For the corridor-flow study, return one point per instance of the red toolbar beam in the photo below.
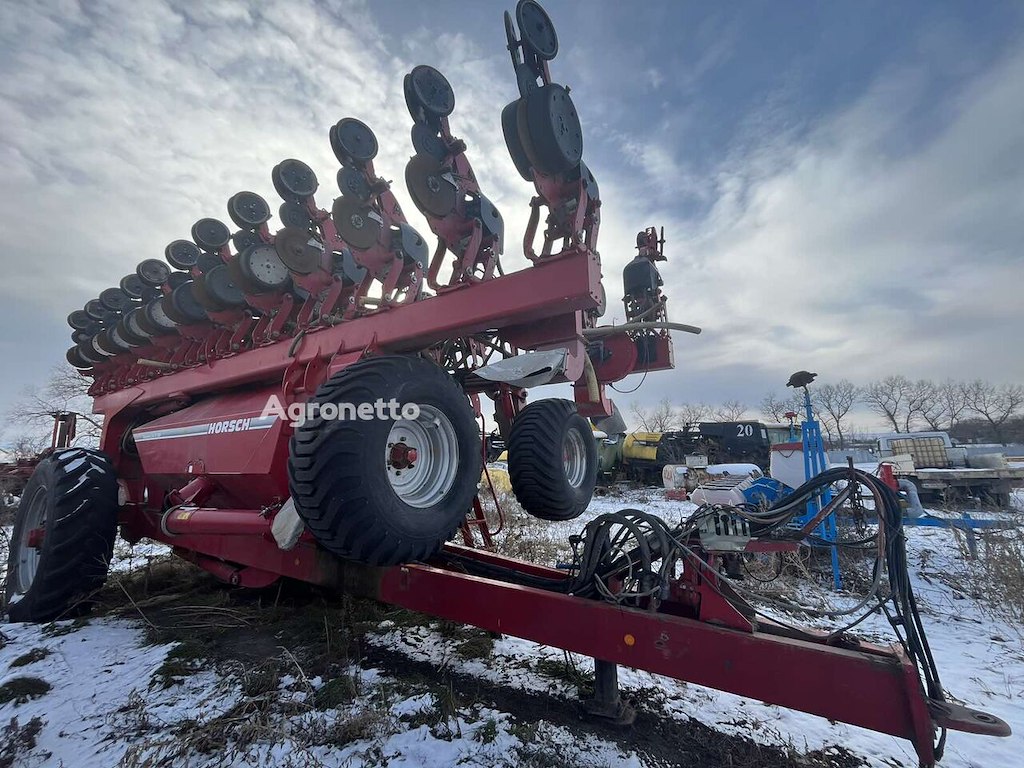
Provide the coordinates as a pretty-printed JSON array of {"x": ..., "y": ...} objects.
[{"x": 548, "y": 289}]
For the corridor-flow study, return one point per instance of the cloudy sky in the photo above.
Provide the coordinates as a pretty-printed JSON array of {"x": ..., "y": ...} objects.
[{"x": 841, "y": 184}]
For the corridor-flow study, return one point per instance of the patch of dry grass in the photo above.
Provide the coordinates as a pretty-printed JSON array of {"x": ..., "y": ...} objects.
[
  {"x": 523, "y": 536},
  {"x": 996, "y": 576},
  {"x": 17, "y": 740}
]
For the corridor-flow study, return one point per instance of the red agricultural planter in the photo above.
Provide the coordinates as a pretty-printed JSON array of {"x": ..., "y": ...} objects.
[{"x": 306, "y": 402}]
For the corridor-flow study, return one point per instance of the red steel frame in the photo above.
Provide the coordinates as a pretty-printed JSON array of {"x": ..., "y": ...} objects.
[{"x": 699, "y": 637}]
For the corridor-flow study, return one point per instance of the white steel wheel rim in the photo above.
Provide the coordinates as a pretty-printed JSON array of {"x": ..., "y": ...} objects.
[
  {"x": 574, "y": 458},
  {"x": 436, "y": 466},
  {"x": 268, "y": 268},
  {"x": 28, "y": 556}
]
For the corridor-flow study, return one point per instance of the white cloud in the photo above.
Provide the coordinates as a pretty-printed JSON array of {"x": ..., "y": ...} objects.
[
  {"x": 863, "y": 246},
  {"x": 857, "y": 250}
]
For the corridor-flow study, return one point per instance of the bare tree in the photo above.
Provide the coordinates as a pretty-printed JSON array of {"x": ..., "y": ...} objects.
[
  {"x": 775, "y": 409},
  {"x": 889, "y": 397},
  {"x": 65, "y": 390},
  {"x": 26, "y": 446},
  {"x": 730, "y": 410},
  {"x": 995, "y": 404},
  {"x": 660, "y": 418},
  {"x": 835, "y": 401},
  {"x": 953, "y": 396},
  {"x": 936, "y": 412},
  {"x": 920, "y": 395},
  {"x": 691, "y": 413}
]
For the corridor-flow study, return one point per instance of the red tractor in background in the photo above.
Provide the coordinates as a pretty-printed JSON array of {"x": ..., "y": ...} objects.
[{"x": 306, "y": 402}]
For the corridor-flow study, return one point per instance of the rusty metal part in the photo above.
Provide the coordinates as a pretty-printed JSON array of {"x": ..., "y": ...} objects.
[
  {"x": 356, "y": 222},
  {"x": 431, "y": 185},
  {"x": 299, "y": 250}
]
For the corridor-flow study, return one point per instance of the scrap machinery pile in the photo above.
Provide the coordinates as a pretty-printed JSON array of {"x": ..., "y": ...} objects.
[{"x": 197, "y": 358}]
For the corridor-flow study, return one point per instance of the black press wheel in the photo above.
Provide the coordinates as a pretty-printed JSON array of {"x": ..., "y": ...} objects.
[
  {"x": 182, "y": 307},
  {"x": 536, "y": 29},
  {"x": 95, "y": 311},
  {"x": 245, "y": 238},
  {"x": 248, "y": 210},
  {"x": 211, "y": 234},
  {"x": 427, "y": 141},
  {"x": 151, "y": 272},
  {"x": 221, "y": 290},
  {"x": 115, "y": 300},
  {"x": 183, "y": 254},
  {"x": 510, "y": 127},
  {"x": 294, "y": 180},
  {"x": 132, "y": 285},
  {"x": 74, "y": 357},
  {"x": 63, "y": 536},
  {"x": 353, "y": 141},
  {"x": 294, "y": 214},
  {"x": 352, "y": 181},
  {"x": 552, "y": 460},
  {"x": 79, "y": 320},
  {"x": 386, "y": 491},
  {"x": 556, "y": 135},
  {"x": 432, "y": 91}
]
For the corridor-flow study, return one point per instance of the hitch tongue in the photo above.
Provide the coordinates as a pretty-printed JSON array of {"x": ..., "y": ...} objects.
[{"x": 956, "y": 717}]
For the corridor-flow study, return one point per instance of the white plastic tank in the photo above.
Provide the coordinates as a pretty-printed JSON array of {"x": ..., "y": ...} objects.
[
  {"x": 727, "y": 489},
  {"x": 787, "y": 464}
]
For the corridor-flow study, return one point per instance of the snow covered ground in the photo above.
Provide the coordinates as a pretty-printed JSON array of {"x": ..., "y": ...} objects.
[{"x": 98, "y": 692}]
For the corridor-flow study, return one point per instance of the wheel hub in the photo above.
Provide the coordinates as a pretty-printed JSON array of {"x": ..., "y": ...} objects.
[
  {"x": 403, "y": 456},
  {"x": 422, "y": 458}
]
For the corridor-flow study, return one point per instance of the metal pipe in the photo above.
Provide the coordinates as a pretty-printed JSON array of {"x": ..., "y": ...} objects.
[
  {"x": 915, "y": 509},
  {"x": 182, "y": 521}
]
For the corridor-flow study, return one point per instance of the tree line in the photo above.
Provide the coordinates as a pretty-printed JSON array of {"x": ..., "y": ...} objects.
[{"x": 968, "y": 410}]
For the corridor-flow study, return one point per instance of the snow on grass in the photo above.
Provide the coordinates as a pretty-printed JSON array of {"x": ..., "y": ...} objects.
[
  {"x": 106, "y": 705},
  {"x": 106, "y": 698},
  {"x": 978, "y": 645}
]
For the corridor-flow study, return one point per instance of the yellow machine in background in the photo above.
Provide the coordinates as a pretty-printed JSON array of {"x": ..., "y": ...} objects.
[
  {"x": 498, "y": 472},
  {"x": 641, "y": 446}
]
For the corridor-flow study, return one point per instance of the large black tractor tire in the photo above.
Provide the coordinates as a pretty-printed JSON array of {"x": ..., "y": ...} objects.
[
  {"x": 552, "y": 460},
  {"x": 72, "y": 497},
  {"x": 356, "y": 485}
]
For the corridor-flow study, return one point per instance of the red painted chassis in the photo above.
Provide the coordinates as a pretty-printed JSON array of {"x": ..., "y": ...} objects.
[{"x": 212, "y": 495}]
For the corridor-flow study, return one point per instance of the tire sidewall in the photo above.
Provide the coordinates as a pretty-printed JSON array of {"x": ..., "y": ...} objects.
[
  {"x": 81, "y": 524},
  {"x": 45, "y": 473},
  {"x": 408, "y": 522},
  {"x": 537, "y": 469}
]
